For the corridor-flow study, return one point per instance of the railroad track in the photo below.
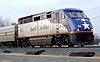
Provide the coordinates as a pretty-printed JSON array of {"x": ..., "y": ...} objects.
[
  {"x": 55, "y": 47},
  {"x": 71, "y": 47}
]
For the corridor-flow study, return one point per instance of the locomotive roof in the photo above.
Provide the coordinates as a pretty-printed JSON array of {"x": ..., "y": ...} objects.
[
  {"x": 66, "y": 9},
  {"x": 72, "y": 9}
]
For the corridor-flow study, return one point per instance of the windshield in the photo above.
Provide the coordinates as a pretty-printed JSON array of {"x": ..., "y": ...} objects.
[{"x": 77, "y": 15}]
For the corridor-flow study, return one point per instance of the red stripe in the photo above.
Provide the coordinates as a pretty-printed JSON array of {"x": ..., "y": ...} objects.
[
  {"x": 83, "y": 32},
  {"x": 6, "y": 32}
]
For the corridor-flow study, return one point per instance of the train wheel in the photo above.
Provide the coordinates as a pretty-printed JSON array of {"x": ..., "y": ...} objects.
[
  {"x": 56, "y": 41},
  {"x": 14, "y": 44},
  {"x": 70, "y": 44},
  {"x": 67, "y": 40},
  {"x": 41, "y": 46},
  {"x": 53, "y": 41},
  {"x": 33, "y": 46},
  {"x": 24, "y": 42},
  {"x": 82, "y": 45},
  {"x": 59, "y": 44}
]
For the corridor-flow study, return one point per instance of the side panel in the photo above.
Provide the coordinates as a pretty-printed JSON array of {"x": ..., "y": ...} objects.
[
  {"x": 27, "y": 30},
  {"x": 44, "y": 27},
  {"x": 41, "y": 41},
  {"x": 7, "y": 34},
  {"x": 39, "y": 28}
]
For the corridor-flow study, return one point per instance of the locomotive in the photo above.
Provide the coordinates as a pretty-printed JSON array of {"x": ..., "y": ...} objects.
[{"x": 69, "y": 26}]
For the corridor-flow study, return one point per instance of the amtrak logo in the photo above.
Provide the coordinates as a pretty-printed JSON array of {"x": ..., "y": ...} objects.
[{"x": 86, "y": 25}]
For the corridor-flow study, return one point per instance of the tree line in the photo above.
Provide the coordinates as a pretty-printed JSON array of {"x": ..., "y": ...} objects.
[{"x": 4, "y": 22}]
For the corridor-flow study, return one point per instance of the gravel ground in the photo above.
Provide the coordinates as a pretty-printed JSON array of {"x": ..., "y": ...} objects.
[
  {"x": 13, "y": 58},
  {"x": 53, "y": 51},
  {"x": 50, "y": 55}
]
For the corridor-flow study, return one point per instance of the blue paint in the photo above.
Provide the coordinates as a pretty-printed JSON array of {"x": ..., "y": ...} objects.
[
  {"x": 6, "y": 34},
  {"x": 75, "y": 21}
]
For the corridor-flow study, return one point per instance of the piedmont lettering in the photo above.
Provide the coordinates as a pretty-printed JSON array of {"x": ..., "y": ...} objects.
[{"x": 44, "y": 27}]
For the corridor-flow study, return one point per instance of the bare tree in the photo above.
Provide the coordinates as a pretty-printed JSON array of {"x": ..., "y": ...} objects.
[
  {"x": 1, "y": 22},
  {"x": 4, "y": 22}
]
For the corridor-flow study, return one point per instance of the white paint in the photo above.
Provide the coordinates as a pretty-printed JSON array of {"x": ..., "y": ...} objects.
[
  {"x": 86, "y": 25},
  {"x": 24, "y": 29}
]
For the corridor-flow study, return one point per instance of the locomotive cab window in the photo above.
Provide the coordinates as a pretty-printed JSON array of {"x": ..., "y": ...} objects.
[
  {"x": 21, "y": 22},
  {"x": 25, "y": 20},
  {"x": 64, "y": 19},
  {"x": 48, "y": 15},
  {"x": 63, "y": 16},
  {"x": 37, "y": 18},
  {"x": 77, "y": 14}
]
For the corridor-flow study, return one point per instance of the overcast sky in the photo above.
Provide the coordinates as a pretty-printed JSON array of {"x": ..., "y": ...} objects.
[{"x": 14, "y": 9}]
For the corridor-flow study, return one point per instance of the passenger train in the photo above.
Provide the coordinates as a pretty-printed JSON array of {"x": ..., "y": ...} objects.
[{"x": 68, "y": 26}]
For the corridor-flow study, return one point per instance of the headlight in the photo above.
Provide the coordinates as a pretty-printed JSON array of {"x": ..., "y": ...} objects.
[
  {"x": 92, "y": 30},
  {"x": 78, "y": 30},
  {"x": 79, "y": 26}
]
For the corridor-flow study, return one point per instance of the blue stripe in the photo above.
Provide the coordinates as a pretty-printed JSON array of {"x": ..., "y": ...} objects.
[{"x": 6, "y": 34}]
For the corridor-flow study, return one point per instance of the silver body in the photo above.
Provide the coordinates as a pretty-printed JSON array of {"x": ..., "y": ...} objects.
[{"x": 7, "y": 34}]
